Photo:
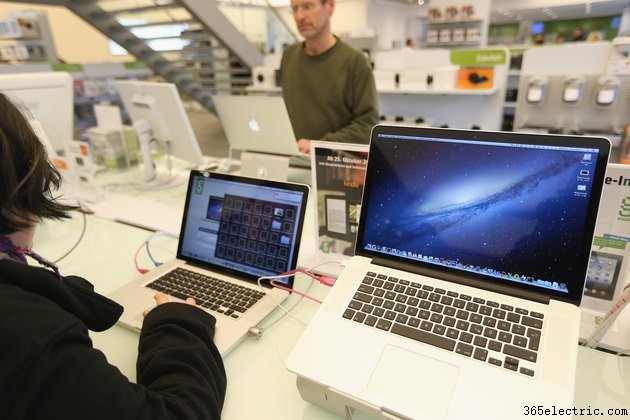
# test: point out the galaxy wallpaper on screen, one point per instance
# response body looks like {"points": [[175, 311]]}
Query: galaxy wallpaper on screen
{"points": [[517, 210]]}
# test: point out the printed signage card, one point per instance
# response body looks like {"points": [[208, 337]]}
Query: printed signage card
{"points": [[610, 254], [338, 176]]}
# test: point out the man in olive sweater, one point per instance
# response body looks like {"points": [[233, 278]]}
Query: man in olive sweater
{"points": [[328, 86]]}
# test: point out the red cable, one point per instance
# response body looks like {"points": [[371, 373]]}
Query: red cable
{"points": [[135, 260]]}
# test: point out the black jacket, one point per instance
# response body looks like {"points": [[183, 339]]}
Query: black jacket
{"points": [[49, 369]]}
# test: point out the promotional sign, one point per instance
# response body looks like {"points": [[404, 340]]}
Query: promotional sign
{"points": [[610, 253], [338, 177]]}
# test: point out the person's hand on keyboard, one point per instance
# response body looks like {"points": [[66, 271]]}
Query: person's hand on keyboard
{"points": [[161, 298]]}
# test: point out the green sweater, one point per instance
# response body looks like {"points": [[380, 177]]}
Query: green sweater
{"points": [[331, 96]]}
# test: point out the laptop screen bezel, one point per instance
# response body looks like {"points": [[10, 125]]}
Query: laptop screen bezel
{"points": [[288, 186], [575, 292]]}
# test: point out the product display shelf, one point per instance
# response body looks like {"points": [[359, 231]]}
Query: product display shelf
{"points": [[448, 100], [429, 91]]}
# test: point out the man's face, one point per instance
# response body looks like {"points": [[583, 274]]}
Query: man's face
{"points": [[312, 16]]}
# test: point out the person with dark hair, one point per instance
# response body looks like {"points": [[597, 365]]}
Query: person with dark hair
{"points": [[49, 368], [579, 34], [327, 85]]}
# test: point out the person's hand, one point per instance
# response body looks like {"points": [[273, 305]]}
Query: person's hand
{"points": [[161, 298], [304, 146]]}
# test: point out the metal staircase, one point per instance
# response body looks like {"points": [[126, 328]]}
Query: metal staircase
{"points": [[187, 42]]}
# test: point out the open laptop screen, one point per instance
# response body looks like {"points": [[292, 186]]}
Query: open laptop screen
{"points": [[508, 208], [245, 227]]}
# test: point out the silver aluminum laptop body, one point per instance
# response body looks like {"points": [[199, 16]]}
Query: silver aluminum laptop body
{"points": [[259, 124], [235, 229], [499, 218]]}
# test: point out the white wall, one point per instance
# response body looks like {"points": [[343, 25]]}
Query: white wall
{"points": [[250, 21], [349, 17], [75, 40], [377, 16], [394, 22], [78, 42]]}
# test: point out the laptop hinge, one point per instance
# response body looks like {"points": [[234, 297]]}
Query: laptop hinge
{"points": [[467, 281], [340, 403]]}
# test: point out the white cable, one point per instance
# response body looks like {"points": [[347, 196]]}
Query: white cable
{"points": [[608, 319], [302, 295], [286, 311], [81, 235]]}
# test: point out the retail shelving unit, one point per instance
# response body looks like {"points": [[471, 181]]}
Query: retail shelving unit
{"points": [[457, 24], [577, 88], [25, 36], [450, 99], [455, 33]]}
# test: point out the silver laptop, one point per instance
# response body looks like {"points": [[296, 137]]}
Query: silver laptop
{"points": [[234, 230], [259, 124], [462, 298]]}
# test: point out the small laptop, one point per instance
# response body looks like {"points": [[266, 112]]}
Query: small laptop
{"points": [[234, 230], [259, 124], [462, 298]]}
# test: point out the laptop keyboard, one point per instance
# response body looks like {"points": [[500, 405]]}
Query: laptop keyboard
{"points": [[211, 293], [488, 331]]}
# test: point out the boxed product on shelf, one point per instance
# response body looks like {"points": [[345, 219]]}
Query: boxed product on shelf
{"points": [[434, 14], [467, 11], [475, 78], [459, 35], [451, 12], [445, 35], [473, 34], [433, 36], [19, 28]]}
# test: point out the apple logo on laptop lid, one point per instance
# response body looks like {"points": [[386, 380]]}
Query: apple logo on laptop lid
{"points": [[253, 125]]}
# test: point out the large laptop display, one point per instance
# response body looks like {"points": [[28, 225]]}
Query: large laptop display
{"points": [[517, 210], [472, 251]]}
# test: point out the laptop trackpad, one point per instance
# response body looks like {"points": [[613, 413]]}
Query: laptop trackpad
{"points": [[415, 380]]}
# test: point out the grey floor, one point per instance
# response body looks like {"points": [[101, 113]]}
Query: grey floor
{"points": [[209, 133]]}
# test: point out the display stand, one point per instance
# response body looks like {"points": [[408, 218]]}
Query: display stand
{"points": [[338, 175], [610, 261], [440, 87], [578, 88]]}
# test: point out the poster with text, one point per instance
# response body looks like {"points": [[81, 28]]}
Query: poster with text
{"points": [[338, 177]]}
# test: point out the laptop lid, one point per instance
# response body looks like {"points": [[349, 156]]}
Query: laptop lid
{"points": [[242, 227], [257, 124], [509, 212]]}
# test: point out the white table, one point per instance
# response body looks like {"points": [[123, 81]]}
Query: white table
{"points": [[259, 385]]}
